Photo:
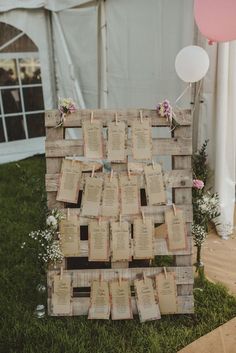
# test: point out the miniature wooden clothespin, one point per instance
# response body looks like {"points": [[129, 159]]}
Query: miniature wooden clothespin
{"points": [[68, 213], [143, 216], [128, 171], [174, 209], [165, 272], [93, 171], [141, 116], [119, 278], [100, 278], [111, 175], [116, 116], [120, 219], [73, 160], [91, 117], [144, 278], [153, 164], [61, 272], [99, 220]]}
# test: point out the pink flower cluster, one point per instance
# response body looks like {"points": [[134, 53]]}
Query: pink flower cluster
{"points": [[66, 105], [198, 184], [165, 109]]}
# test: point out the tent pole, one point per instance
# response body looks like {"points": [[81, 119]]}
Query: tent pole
{"points": [[103, 96], [69, 60]]}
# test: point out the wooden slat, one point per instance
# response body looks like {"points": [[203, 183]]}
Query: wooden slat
{"points": [[160, 248], [80, 306], [156, 212], [161, 147], [172, 179], [52, 117], [84, 278]]}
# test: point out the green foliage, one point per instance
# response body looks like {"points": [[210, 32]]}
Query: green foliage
{"points": [[22, 205], [199, 161]]}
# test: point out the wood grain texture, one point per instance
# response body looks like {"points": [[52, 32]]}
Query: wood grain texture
{"points": [[52, 117]]}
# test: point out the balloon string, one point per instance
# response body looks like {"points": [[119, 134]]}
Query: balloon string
{"points": [[183, 93], [196, 97]]}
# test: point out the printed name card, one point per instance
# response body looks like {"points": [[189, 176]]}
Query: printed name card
{"points": [[92, 197], [167, 292], [110, 197], [121, 308], [93, 140], [98, 236], [116, 141], [155, 184], [148, 308], [120, 241], [143, 233], [129, 192], [61, 296], [69, 181], [141, 139], [70, 236], [176, 228], [99, 301]]}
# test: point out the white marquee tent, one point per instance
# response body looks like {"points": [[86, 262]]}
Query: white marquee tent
{"points": [[121, 53]]}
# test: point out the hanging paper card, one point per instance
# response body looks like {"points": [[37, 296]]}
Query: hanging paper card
{"points": [[99, 301], [167, 293], [93, 141], [70, 236], [141, 139], [176, 228], [130, 199], [148, 308], [110, 197], [61, 296], [143, 233], [155, 184], [120, 300], [120, 241], [116, 141], [98, 241], [92, 197], [69, 181]]}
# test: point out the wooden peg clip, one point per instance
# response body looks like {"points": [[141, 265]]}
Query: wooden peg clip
{"points": [[144, 278], [99, 220], [68, 213], [61, 272], [128, 171], [174, 209], [141, 116], [165, 272], [111, 175], [91, 117], [143, 216], [93, 171], [100, 278], [116, 117], [119, 278], [120, 219], [73, 160]]}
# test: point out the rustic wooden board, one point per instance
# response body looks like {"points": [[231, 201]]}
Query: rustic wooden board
{"points": [[172, 179], [52, 118], [161, 147]]}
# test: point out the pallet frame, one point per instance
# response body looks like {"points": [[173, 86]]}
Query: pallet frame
{"points": [[179, 179]]}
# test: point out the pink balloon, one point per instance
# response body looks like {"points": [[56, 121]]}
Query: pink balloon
{"points": [[216, 19]]}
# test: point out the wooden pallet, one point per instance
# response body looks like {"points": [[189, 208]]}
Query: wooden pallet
{"points": [[179, 146]]}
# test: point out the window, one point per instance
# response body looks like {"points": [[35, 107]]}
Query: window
{"points": [[21, 94]]}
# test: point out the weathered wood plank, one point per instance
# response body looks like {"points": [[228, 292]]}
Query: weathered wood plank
{"points": [[156, 212], [172, 179], [81, 305], [84, 278], [161, 147], [52, 117]]}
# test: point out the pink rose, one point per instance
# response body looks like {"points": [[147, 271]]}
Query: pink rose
{"points": [[198, 184]]}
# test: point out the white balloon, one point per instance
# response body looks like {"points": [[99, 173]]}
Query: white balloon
{"points": [[192, 63]]}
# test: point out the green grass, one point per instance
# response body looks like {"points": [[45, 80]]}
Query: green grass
{"points": [[22, 205]]}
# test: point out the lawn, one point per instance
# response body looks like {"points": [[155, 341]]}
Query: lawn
{"points": [[22, 209]]}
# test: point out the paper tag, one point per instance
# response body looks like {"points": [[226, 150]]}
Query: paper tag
{"points": [[93, 141], [176, 228], [92, 197], [70, 236], [98, 236], [167, 292], [120, 241], [143, 233], [116, 141], [130, 198], [69, 181], [99, 301], [110, 197], [155, 184], [61, 296], [121, 308], [141, 139], [148, 308]]}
